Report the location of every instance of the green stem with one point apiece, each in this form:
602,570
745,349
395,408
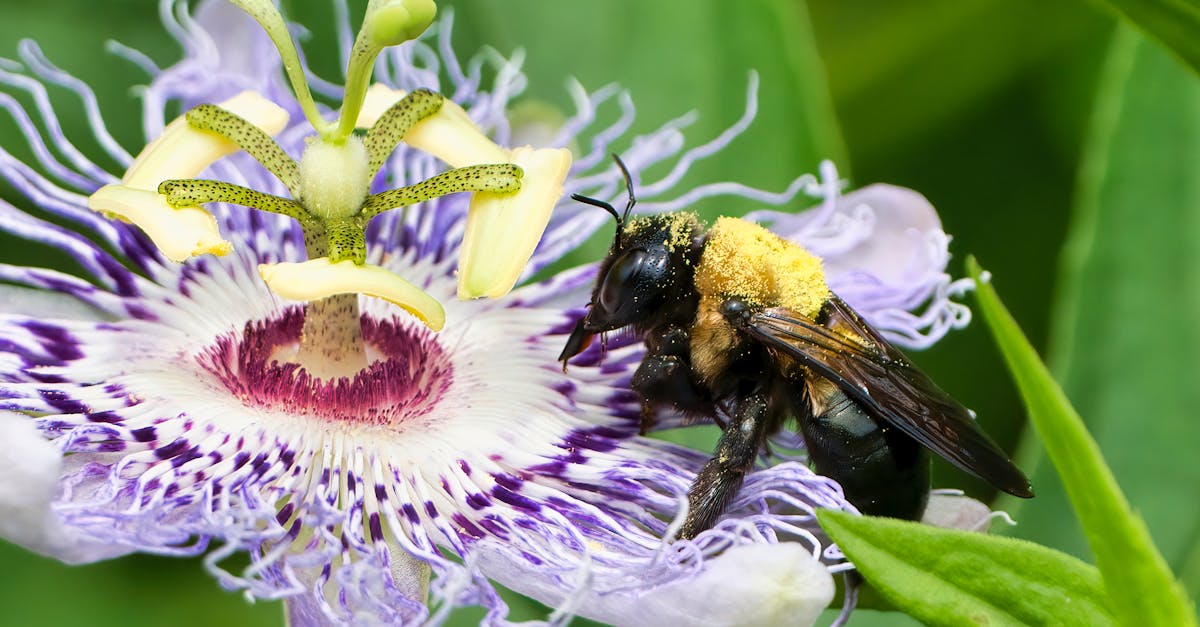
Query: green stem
358,77
267,15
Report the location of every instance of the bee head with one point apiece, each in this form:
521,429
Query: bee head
638,273
645,265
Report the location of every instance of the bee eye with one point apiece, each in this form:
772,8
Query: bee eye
619,283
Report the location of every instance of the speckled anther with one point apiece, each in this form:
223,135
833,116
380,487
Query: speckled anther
191,192
250,138
179,152
320,278
502,178
504,229
391,127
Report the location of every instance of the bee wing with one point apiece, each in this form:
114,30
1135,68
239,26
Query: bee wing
880,377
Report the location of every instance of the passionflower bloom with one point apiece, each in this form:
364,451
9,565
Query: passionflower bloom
298,380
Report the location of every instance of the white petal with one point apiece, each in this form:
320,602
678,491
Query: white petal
24,301
754,584
896,250
951,511
31,466
747,585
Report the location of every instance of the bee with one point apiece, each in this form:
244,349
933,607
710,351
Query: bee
741,328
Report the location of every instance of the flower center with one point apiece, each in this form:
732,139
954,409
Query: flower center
409,372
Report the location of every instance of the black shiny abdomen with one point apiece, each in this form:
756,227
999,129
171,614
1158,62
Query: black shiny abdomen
882,471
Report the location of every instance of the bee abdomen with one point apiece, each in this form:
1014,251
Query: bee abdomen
882,471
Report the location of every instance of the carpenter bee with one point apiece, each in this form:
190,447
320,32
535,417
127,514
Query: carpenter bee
740,327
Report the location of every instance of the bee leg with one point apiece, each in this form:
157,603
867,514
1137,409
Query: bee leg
665,377
720,478
666,380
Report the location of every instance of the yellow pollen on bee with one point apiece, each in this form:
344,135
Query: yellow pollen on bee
744,260
680,227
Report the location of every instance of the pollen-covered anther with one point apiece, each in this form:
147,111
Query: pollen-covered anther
320,278
181,152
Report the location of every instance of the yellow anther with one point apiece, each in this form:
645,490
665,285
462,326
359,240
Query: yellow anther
319,278
178,233
504,229
181,152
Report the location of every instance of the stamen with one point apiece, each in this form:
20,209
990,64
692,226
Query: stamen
394,124
502,178
192,192
183,151
453,137
320,278
178,233
249,138
503,229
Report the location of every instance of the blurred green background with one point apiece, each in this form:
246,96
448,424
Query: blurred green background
991,108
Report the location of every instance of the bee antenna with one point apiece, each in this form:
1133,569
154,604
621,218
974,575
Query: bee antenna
599,203
628,188
620,218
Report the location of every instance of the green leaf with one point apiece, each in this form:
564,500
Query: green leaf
1174,23
951,577
676,56
1125,330
1141,588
